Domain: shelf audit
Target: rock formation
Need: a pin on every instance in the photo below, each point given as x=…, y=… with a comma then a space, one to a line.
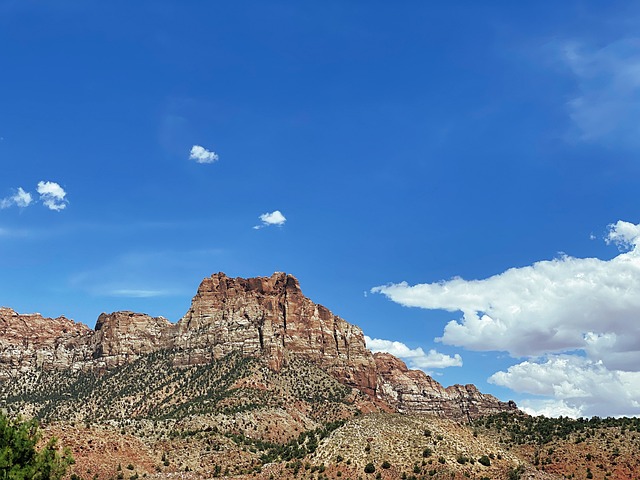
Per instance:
x=267, y=317
x=121, y=337
x=32, y=342
x=271, y=317
x=413, y=391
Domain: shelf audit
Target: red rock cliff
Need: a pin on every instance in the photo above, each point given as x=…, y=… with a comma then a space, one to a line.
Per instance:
x=263, y=316
x=270, y=316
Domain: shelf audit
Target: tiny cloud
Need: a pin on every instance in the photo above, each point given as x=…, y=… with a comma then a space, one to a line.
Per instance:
x=52, y=196
x=137, y=293
x=19, y=199
x=202, y=155
x=416, y=357
x=273, y=218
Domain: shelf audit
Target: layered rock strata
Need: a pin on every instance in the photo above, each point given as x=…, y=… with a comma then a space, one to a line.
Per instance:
x=271, y=317
x=263, y=316
x=413, y=391
x=30, y=342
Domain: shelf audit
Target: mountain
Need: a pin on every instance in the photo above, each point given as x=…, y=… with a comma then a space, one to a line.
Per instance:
x=254, y=381
x=264, y=317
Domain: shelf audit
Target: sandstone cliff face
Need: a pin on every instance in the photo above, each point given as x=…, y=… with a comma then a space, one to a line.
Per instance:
x=270, y=316
x=33, y=342
x=264, y=316
x=121, y=337
x=413, y=391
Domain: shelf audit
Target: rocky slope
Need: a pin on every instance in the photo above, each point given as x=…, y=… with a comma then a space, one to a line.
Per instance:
x=265, y=317
x=413, y=391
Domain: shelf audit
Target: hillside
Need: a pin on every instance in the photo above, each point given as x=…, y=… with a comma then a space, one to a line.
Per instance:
x=255, y=379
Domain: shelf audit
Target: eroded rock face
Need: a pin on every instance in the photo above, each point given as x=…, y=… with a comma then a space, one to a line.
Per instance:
x=270, y=316
x=263, y=316
x=413, y=391
x=34, y=342
x=121, y=337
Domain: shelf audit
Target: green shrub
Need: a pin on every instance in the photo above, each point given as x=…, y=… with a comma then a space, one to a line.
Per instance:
x=19, y=457
x=484, y=460
x=427, y=452
x=386, y=464
x=369, y=468
x=516, y=473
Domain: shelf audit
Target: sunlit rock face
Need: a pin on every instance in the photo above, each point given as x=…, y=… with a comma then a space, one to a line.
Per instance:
x=267, y=317
x=270, y=316
x=34, y=342
x=413, y=391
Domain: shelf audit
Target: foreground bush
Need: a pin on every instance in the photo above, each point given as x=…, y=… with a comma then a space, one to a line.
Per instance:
x=19, y=458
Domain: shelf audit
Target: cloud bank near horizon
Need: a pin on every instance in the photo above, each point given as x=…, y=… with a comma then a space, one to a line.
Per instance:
x=576, y=320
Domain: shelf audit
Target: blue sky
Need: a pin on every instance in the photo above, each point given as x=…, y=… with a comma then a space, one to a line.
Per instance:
x=413, y=142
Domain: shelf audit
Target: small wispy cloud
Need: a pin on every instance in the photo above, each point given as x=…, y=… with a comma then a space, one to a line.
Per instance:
x=274, y=218
x=606, y=107
x=52, y=196
x=12, y=232
x=20, y=199
x=202, y=155
x=137, y=293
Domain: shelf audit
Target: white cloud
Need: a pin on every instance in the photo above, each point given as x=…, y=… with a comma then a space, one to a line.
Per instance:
x=415, y=358
x=273, y=218
x=19, y=199
x=607, y=107
x=549, y=408
x=52, y=195
x=202, y=155
x=550, y=306
x=566, y=305
x=624, y=234
x=579, y=384
x=137, y=293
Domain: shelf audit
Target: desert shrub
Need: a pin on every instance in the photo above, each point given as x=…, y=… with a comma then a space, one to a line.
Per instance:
x=369, y=468
x=515, y=473
x=484, y=460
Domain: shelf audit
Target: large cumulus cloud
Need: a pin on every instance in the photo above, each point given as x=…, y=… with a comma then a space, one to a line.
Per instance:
x=586, y=307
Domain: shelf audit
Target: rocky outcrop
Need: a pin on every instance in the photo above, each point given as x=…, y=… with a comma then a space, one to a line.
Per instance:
x=264, y=316
x=413, y=391
x=269, y=316
x=121, y=337
x=34, y=342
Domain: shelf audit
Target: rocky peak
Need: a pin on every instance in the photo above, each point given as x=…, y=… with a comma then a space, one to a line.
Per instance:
x=267, y=317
